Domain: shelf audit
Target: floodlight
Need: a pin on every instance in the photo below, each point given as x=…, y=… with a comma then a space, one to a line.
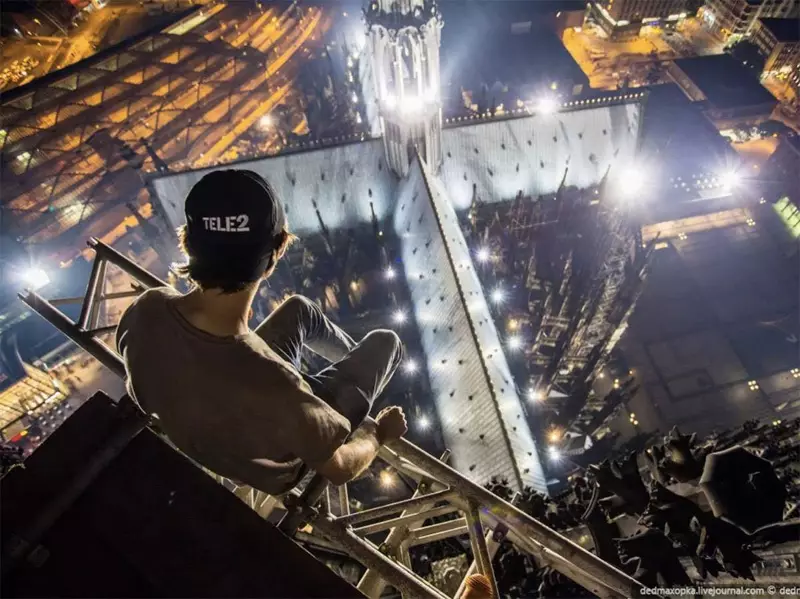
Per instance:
x=554, y=453
x=389, y=273
x=483, y=254
x=412, y=104
x=410, y=366
x=514, y=342
x=35, y=278
x=399, y=317
x=423, y=423
x=630, y=182
x=498, y=295
x=266, y=121
x=730, y=180
x=387, y=479
x=547, y=104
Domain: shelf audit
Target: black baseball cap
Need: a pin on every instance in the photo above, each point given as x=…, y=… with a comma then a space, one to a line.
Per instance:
x=234, y=220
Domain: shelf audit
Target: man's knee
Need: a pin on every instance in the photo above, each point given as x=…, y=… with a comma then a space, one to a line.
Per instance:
x=384, y=343
x=298, y=305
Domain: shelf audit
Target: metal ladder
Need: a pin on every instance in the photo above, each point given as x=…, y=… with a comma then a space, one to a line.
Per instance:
x=441, y=490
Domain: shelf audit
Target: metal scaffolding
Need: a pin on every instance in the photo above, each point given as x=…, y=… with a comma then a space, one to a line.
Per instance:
x=441, y=490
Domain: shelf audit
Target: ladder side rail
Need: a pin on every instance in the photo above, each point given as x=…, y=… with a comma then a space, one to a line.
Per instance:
x=480, y=552
x=559, y=547
x=396, y=542
x=409, y=584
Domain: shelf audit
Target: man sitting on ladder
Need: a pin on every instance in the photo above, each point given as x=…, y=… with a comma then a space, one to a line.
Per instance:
x=234, y=399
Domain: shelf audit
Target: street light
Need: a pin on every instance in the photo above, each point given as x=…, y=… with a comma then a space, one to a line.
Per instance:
x=498, y=295
x=266, y=121
x=399, y=316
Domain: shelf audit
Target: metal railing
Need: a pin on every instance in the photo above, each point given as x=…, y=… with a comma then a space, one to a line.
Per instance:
x=441, y=490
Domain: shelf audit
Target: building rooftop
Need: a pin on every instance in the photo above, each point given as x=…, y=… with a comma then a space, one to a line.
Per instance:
x=511, y=53
x=724, y=81
x=784, y=30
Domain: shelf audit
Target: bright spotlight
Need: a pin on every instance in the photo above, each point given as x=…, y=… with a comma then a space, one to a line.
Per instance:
x=498, y=295
x=730, y=180
x=389, y=273
x=514, y=342
x=266, y=121
x=631, y=182
x=399, y=317
x=554, y=453
x=483, y=254
x=387, y=479
x=554, y=435
x=412, y=104
x=547, y=104
x=35, y=278
x=410, y=366
x=535, y=395
x=423, y=423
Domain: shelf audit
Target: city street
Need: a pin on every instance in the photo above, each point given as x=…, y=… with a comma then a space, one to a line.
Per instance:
x=92, y=32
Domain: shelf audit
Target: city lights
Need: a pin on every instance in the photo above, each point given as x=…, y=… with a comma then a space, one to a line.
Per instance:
x=730, y=180
x=389, y=273
x=387, y=479
x=535, y=395
x=547, y=104
x=399, y=317
x=483, y=255
x=554, y=435
x=632, y=182
x=266, y=121
x=412, y=104
x=498, y=295
x=35, y=278
x=410, y=366
x=514, y=342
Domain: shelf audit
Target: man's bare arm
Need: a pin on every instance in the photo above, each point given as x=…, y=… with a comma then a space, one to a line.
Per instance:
x=355, y=456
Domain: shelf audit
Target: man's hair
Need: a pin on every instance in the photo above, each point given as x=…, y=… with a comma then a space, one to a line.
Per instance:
x=215, y=275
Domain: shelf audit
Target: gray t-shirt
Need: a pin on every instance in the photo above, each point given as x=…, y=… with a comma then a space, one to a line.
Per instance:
x=230, y=403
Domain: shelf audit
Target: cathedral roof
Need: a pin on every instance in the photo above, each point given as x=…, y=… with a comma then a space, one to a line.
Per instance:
x=500, y=156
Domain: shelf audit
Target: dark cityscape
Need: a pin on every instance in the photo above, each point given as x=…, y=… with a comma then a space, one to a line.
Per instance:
x=580, y=220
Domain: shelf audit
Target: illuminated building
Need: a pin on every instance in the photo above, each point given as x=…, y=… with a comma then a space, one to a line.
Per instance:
x=779, y=41
x=26, y=392
x=527, y=160
x=735, y=19
x=625, y=18
x=404, y=43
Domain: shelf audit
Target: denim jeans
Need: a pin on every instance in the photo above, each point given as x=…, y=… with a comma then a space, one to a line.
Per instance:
x=358, y=371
